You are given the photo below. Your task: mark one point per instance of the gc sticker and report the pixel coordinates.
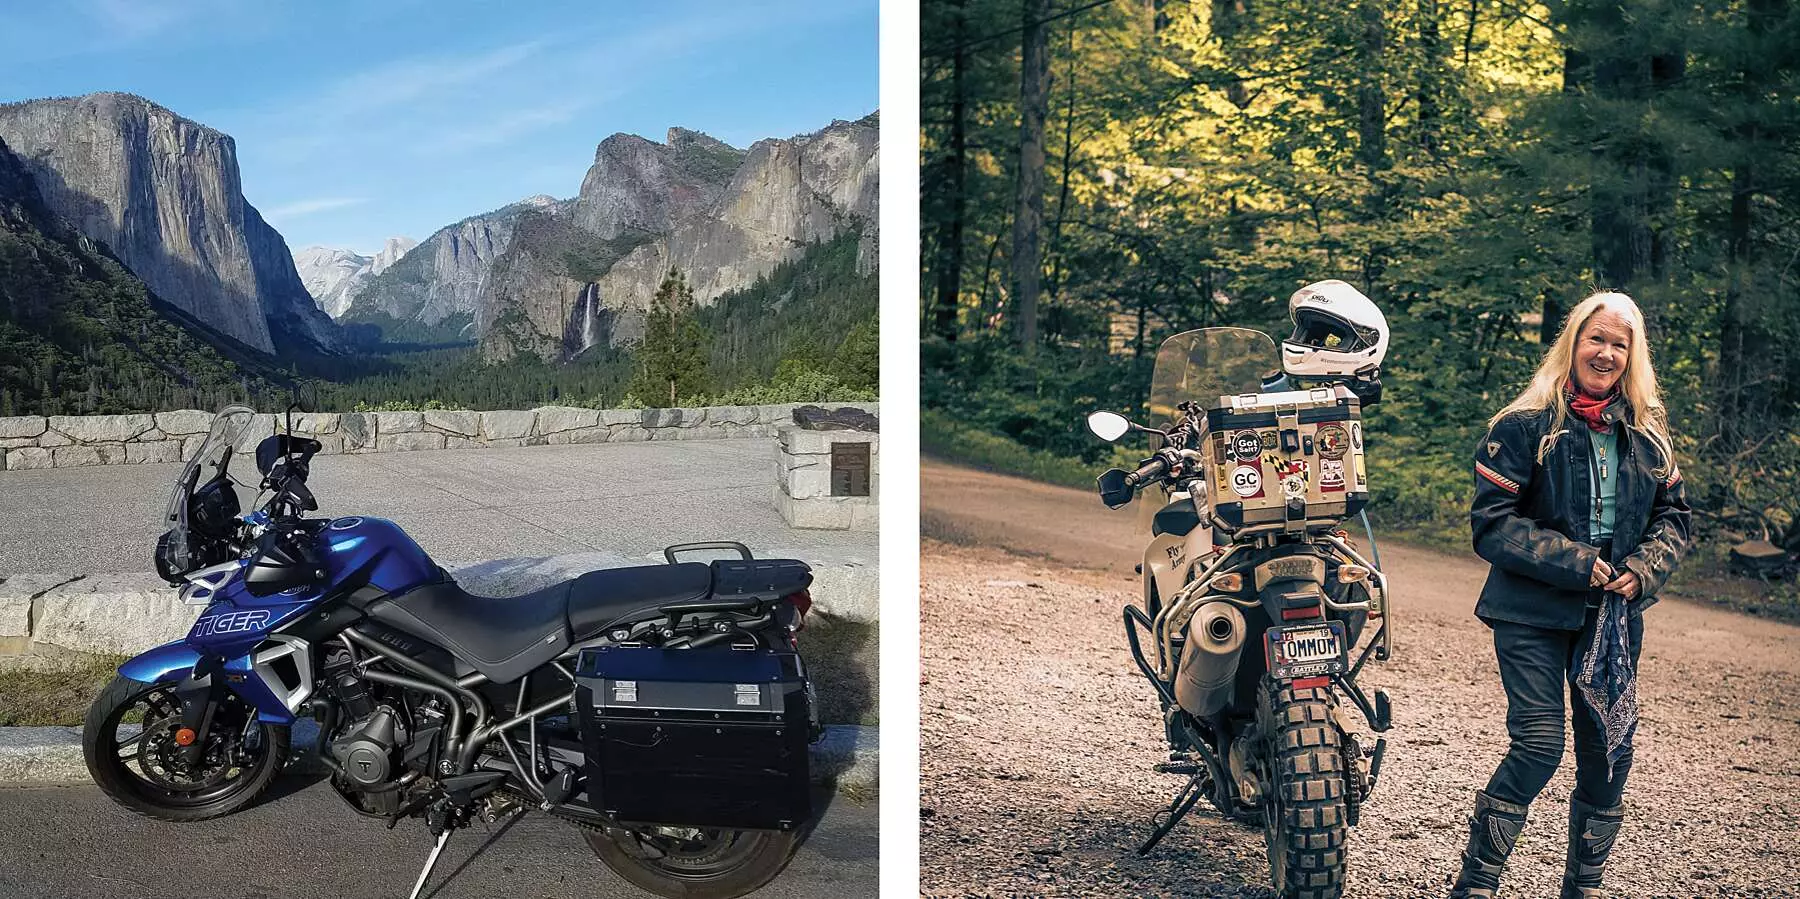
(1246, 481)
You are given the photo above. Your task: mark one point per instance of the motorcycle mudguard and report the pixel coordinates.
(175, 662)
(168, 662)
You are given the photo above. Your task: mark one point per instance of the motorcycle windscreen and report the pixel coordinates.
(1203, 365)
(228, 429)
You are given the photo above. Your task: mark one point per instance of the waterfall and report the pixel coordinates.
(590, 322)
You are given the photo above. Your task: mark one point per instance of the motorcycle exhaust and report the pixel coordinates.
(1208, 669)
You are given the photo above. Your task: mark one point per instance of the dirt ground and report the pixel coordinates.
(1038, 734)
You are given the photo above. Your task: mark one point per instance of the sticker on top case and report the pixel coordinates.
(1245, 445)
(1331, 475)
(1246, 481)
(1333, 442)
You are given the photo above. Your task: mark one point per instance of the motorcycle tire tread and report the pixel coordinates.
(1311, 768)
(121, 690)
(773, 856)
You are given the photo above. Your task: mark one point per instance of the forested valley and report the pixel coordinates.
(1097, 176)
(80, 335)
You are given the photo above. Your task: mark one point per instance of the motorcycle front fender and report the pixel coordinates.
(166, 663)
(177, 662)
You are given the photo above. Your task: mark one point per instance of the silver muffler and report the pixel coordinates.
(1215, 638)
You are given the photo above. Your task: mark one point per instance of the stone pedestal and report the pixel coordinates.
(804, 484)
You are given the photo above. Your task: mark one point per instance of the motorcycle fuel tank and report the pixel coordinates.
(388, 558)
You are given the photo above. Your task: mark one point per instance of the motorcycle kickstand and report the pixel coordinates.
(1185, 800)
(431, 862)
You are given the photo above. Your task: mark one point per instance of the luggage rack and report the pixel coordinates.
(670, 552)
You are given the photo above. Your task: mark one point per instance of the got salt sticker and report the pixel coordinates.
(1246, 481)
(1245, 445)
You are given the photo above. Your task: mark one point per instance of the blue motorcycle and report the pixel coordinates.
(664, 709)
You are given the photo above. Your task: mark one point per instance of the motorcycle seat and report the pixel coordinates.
(601, 599)
(504, 639)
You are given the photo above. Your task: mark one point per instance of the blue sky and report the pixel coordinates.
(355, 121)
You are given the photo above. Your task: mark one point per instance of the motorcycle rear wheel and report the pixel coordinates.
(1304, 816)
(708, 864)
(241, 757)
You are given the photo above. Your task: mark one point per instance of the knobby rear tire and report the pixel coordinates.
(1304, 821)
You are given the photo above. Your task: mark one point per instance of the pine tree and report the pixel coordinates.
(672, 361)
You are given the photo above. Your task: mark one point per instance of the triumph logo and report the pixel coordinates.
(229, 623)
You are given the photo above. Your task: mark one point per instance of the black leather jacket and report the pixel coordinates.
(1531, 521)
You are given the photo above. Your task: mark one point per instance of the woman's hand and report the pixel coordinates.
(1625, 585)
(1602, 574)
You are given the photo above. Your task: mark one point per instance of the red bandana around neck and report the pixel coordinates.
(1591, 409)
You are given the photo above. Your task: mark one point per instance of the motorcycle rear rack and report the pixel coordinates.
(670, 552)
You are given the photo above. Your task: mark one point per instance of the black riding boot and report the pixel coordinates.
(1591, 833)
(1492, 830)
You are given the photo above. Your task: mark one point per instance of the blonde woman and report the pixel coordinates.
(1580, 510)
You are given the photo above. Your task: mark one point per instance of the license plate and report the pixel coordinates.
(1306, 650)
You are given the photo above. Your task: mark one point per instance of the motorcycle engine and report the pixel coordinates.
(366, 751)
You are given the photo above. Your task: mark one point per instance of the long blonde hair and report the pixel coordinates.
(1644, 410)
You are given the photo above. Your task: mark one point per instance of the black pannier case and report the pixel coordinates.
(696, 737)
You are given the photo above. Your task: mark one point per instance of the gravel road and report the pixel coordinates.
(1038, 734)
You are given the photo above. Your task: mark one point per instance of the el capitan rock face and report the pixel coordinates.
(163, 193)
(723, 217)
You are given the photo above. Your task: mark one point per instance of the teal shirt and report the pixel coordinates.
(1603, 478)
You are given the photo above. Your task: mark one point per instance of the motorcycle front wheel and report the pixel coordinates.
(694, 863)
(129, 742)
(1303, 815)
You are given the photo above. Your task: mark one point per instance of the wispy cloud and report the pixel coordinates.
(500, 130)
(308, 207)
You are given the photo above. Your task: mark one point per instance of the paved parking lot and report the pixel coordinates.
(628, 499)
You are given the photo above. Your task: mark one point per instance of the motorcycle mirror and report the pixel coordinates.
(1108, 426)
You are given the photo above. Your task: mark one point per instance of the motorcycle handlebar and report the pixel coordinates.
(1154, 468)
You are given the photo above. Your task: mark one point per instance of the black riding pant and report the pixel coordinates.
(1537, 666)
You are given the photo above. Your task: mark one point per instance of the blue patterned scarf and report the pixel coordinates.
(1606, 678)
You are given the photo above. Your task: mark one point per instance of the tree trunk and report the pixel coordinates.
(1739, 342)
(1068, 166)
(950, 242)
(1371, 92)
(1432, 75)
(1028, 222)
(1634, 175)
(1231, 18)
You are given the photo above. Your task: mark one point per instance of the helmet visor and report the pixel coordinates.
(1324, 331)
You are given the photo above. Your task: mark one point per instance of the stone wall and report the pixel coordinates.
(49, 616)
(61, 441)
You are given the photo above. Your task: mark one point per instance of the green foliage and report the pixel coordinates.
(817, 308)
(672, 360)
(795, 381)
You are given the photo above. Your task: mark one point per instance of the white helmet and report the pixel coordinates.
(1338, 333)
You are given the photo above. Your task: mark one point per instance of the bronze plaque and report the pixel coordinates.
(850, 469)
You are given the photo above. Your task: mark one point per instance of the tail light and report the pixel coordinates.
(802, 603)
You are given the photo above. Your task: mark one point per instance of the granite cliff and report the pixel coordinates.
(162, 193)
(583, 276)
(81, 334)
(431, 293)
(334, 276)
